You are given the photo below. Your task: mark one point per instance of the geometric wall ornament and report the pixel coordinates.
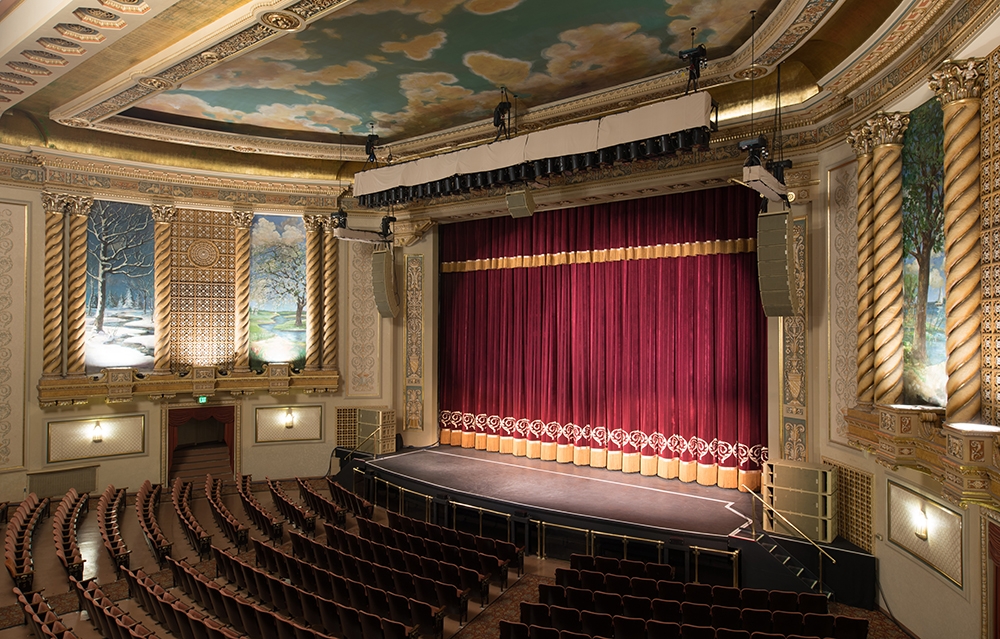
(13, 345)
(364, 331)
(842, 190)
(855, 506)
(104, 436)
(413, 362)
(794, 378)
(288, 424)
(927, 530)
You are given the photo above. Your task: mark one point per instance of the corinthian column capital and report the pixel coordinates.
(242, 218)
(163, 213)
(315, 221)
(53, 202)
(888, 128)
(861, 139)
(79, 205)
(959, 80)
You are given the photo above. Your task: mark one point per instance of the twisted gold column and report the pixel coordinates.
(52, 318)
(242, 219)
(887, 136)
(163, 216)
(861, 140)
(330, 274)
(78, 208)
(958, 86)
(314, 290)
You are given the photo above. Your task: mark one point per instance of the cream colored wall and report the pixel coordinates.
(921, 599)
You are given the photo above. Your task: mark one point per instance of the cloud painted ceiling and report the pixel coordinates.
(417, 66)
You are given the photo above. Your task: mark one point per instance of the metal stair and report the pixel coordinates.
(793, 565)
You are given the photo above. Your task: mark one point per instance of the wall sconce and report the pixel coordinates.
(98, 434)
(289, 418)
(920, 523)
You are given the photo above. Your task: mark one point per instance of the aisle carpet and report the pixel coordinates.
(486, 625)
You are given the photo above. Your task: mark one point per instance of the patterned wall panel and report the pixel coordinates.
(414, 360)
(13, 243)
(990, 202)
(794, 389)
(364, 367)
(842, 189)
(202, 292)
(854, 505)
(347, 427)
(74, 439)
(940, 545)
(271, 424)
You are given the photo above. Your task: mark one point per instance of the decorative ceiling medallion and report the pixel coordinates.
(282, 21)
(126, 6)
(79, 32)
(45, 57)
(203, 253)
(9, 88)
(17, 78)
(29, 68)
(100, 18)
(78, 123)
(157, 84)
(62, 45)
(754, 71)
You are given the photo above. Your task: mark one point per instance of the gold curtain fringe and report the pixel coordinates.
(598, 256)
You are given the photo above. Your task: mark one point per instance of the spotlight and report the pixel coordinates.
(501, 115)
(697, 59)
(386, 231)
(339, 219)
(756, 149)
(370, 143)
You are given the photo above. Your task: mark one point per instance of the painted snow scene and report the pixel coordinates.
(277, 291)
(119, 287)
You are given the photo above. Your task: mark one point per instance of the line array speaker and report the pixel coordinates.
(384, 282)
(520, 203)
(775, 268)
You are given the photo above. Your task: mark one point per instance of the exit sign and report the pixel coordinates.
(202, 399)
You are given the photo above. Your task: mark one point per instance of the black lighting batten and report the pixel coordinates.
(683, 124)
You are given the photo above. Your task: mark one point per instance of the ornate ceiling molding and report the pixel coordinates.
(71, 35)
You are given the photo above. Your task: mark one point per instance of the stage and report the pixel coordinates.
(565, 494)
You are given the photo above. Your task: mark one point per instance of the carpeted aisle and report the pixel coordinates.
(507, 606)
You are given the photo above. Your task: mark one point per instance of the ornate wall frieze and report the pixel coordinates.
(413, 363)
(364, 370)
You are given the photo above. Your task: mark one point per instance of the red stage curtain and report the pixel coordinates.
(627, 335)
(180, 416)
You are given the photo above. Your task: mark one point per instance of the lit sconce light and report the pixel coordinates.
(920, 524)
(98, 434)
(289, 418)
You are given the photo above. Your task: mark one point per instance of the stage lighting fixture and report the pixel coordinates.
(386, 221)
(501, 115)
(371, 142)
(697, 59)
(340, 219)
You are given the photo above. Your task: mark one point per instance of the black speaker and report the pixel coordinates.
(775, 267)
(384, 282)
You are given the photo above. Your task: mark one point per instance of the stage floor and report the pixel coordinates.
(580, 491)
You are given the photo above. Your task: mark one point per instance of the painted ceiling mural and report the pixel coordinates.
(416, 66)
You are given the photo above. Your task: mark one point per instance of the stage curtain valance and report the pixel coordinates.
(651, 359)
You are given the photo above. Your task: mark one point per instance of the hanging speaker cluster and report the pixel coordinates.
(384, 282)
(775, 266)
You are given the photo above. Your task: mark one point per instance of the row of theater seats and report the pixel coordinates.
(465, 579)
(146, 500)
(40, 618)
(757, 598)
(17, 540)
(326, 508)
(290, 510)
(110, 620)
(64, 523)
(110, 506)
(198, 537)
(439, 595)
(504, 550)
(261, 518)
(489, 566)
(235, 532)
(335, 617)
(348, 500)
(347, 592)
(177, 617)
(627, 567)
(625, 628)
(693, 614)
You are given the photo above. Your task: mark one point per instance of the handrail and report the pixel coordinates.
(356, 448)
(728, 553)
(784, 519)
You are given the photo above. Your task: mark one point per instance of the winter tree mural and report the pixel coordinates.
(277, 291)
(924, 376)
(119, 286)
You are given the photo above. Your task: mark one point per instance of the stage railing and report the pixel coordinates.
(734, 556)
(402, 492)
(480, 510)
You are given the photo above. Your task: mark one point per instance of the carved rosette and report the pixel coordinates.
(861, 140)
(314, 288)
(242, 220)
(78, 207)
(163, 216)
(54, 204)
(958, 86)
(330, 275)
(887, 135)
